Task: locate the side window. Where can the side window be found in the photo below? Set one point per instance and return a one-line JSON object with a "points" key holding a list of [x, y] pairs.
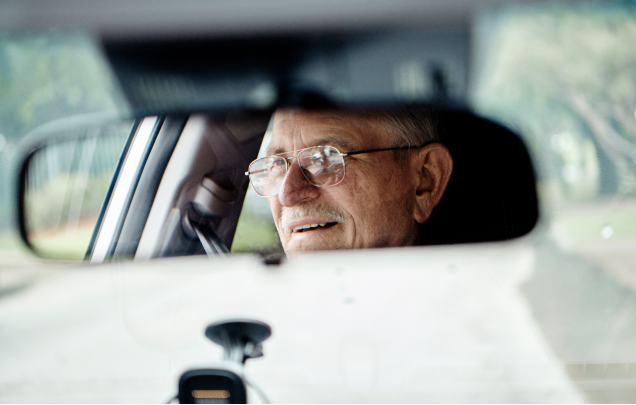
{"points": [[66, 183], [256, 231]]}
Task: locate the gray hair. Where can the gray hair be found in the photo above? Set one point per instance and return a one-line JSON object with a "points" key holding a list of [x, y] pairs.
{"points": [[410, 126]]}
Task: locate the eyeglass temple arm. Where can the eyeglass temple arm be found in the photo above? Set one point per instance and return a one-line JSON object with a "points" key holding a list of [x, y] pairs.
{"points": [[407, 147]]}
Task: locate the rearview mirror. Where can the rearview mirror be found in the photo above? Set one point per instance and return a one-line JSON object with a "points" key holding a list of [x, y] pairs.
{"points": [[490, 193], [63, 184]]}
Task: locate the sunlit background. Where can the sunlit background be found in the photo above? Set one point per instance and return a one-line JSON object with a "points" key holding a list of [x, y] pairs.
{"points": [[66, 185], [562, 76], [565, 78]]}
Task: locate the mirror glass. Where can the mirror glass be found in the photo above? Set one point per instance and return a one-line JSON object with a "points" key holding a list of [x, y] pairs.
{"points": [[65, 185]]}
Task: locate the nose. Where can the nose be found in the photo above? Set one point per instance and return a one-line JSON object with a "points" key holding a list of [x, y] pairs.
{"points": [[296, 188]]}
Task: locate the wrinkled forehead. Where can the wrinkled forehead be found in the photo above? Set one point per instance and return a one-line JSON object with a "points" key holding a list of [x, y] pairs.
{"points": [[296, 129]]}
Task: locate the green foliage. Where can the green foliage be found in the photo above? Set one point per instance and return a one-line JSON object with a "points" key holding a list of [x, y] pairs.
{"points": [[256, 231], [64, 244], [5, 190], [568, 70], [55, 230], [51, 75], [50, 206], [549, 52], [586, 223], [12, 250]]}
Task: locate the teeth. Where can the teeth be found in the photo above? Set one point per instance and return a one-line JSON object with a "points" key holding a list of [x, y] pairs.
{"points": [[309, 226]]}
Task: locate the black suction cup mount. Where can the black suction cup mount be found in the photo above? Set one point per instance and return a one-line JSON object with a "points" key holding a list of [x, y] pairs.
{"points": [[241, 338], [224, 383]]}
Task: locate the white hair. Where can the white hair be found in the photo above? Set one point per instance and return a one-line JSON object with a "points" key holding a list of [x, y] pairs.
{"points": [[411, 126]]}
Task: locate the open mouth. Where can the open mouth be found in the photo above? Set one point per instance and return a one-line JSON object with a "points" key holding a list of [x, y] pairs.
{"points": [[311, 227]]}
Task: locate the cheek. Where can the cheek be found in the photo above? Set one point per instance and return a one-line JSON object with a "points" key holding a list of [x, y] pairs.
{"points": [[383, 201], [384, 186]]}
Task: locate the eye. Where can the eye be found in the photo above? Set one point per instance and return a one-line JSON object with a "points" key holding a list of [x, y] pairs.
{"points": [[317, 159], [276, 167]]}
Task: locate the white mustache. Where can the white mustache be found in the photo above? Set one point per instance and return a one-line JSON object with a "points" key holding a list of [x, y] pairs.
{"points": [[316, 210]]}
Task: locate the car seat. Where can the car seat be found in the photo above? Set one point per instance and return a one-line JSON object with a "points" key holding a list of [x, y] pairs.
{"points": [[491, 195]]}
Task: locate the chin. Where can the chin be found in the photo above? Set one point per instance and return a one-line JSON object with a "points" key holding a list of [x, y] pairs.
{"points": [[316, 240], [293, 249]]}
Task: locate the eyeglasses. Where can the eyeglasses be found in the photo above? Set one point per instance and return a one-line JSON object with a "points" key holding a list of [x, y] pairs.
{"points": [[322, 166]]}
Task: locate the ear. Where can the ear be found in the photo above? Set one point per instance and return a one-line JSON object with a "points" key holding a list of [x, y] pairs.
{"points": [[431, 167]]}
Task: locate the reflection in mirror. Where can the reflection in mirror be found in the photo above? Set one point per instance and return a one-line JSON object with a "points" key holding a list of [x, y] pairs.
{"points": [[414, 176], [65, 185]]}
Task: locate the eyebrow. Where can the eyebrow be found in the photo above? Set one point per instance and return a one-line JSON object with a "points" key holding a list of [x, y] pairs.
{"points": [[332, 140]]}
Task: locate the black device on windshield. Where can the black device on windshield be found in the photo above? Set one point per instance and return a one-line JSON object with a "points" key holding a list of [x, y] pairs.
{"points": [[224, 383]]}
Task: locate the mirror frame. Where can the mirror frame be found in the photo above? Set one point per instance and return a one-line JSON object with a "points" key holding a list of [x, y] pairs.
{"points": [[54, 132]]}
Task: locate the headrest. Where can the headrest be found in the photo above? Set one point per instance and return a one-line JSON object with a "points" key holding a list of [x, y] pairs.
{"points": [[491, 195]]}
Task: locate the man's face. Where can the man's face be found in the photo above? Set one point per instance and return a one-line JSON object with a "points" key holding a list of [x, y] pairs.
{"points": [[371, 207]]}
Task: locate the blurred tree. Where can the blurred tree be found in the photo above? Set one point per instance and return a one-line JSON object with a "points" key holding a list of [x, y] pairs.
{"points": [[48, 76], [570, 69], [43, 77]]}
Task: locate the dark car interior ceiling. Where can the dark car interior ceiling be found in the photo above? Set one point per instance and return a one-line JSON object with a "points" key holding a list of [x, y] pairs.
{"points": [[159, 77]]}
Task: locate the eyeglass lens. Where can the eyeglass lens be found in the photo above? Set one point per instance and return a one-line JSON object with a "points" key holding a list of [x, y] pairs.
{"points": [[322, 166]]}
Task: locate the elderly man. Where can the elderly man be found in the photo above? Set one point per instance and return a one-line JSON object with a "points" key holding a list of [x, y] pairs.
{"points": [[354, 179]]}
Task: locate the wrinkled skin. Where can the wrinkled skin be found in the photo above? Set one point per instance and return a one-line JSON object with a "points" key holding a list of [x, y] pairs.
{"points": [[379, 202]]}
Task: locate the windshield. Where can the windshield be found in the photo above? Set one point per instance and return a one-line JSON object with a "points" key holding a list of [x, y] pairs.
{"points": [[544, 313], [565, 78]]}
